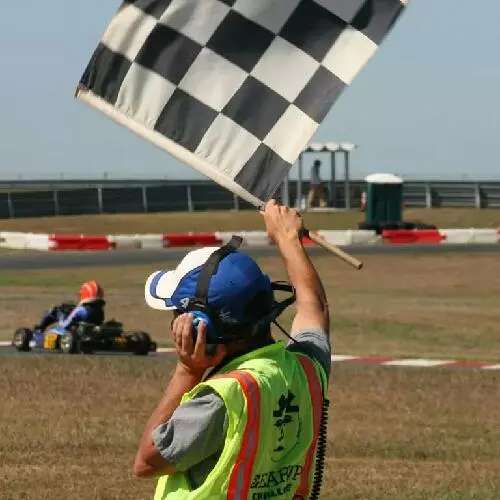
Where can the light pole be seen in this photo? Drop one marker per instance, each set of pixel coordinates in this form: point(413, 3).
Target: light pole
point(347, 148)
point(333, 170)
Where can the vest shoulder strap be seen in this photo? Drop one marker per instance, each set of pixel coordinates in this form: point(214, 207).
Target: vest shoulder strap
point(241, 475)
point(316, 392)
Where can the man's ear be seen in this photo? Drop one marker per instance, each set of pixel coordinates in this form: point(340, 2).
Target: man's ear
point(220, 354)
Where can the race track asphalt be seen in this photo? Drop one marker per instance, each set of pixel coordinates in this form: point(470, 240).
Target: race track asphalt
point(11, 352)
point(51, 260)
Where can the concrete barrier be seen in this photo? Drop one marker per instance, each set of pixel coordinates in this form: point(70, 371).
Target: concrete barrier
point(349, 237)
point(125, 241)
point(173, 240)
point(24, 241)
point(151, 241)
point(80, 242)
point(486, 236)
point(250, 238)
point(458, 236)
point(413, 236)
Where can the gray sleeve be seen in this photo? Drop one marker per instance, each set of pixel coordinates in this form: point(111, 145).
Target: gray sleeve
point(196, 431)
point(315, 343)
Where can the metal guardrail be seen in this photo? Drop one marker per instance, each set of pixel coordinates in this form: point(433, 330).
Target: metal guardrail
point(42, 198)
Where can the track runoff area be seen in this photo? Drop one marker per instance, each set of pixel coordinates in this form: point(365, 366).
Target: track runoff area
point(44, 263)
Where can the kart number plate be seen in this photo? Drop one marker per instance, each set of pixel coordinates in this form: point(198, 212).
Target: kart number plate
point(50, 341)
point(120, 340)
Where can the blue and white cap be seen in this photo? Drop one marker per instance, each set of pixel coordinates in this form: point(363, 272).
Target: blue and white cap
point(232, 290)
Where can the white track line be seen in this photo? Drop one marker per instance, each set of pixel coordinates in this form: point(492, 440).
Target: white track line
point(491, 367)
point(339, 358)
point(416, 362)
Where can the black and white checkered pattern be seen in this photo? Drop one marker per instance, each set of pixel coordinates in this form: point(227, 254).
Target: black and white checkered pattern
point(241, 84)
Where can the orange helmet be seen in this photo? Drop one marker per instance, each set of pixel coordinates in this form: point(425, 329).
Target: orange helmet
point(91, 291)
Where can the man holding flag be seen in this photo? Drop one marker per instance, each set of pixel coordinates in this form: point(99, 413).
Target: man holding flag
point(250, 427)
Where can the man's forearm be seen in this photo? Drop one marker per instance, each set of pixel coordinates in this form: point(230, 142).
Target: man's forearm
point(302, 273)
point(148, 460)
point(311, 303)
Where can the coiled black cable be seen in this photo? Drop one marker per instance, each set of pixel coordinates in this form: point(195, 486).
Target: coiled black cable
point(320, 452)
point(322, 433)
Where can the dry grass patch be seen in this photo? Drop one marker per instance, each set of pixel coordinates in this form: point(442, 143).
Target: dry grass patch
point(400, 305)
point(414, 434)
point(235, 221)
point(71, 427)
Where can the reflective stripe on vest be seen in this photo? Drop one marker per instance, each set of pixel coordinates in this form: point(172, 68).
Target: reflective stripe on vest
point(241, 475)
point(317, 405)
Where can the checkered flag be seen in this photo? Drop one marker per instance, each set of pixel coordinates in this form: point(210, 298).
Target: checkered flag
point(234, 88)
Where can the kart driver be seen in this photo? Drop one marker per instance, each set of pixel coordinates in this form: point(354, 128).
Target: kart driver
point(90, 309)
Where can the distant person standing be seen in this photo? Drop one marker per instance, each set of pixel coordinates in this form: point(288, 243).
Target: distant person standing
point(363, 201)
point(316, 189)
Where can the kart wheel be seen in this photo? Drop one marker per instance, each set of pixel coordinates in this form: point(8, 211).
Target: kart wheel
point(21, 339)
point(70, 343)
point(141, 343)
point(86, 348)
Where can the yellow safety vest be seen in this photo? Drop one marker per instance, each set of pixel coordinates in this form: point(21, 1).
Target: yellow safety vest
point(274, 402)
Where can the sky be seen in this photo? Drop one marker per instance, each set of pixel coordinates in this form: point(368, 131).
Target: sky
point(427, 106)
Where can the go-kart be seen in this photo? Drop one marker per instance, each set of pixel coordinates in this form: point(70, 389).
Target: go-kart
point(84, 338)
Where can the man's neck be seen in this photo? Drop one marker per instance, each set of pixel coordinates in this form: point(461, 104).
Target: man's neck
point(239, 349)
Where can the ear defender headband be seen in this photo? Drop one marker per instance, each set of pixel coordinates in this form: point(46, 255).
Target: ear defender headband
point(199, 304)
point(219, 332)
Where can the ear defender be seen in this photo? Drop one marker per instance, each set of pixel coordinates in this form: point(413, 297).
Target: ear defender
point(202, 316)
point(210, 347)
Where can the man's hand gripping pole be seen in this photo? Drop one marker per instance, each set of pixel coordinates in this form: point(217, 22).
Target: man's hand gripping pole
point(319, 240)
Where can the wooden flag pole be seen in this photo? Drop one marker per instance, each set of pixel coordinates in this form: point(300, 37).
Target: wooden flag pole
point(319, 240)
point(349, 259)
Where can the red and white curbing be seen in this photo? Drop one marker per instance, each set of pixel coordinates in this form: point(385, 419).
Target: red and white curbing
point(250, 239)
point(79, 242)
point(58, 242)
point(442, 236)
point(458, 236)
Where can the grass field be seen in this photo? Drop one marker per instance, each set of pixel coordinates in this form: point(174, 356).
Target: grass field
point(237, 221)
point(70, 428)
point(399, 305)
